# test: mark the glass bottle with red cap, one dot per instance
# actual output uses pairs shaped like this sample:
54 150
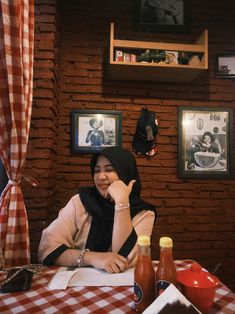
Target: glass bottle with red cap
144 276
166 271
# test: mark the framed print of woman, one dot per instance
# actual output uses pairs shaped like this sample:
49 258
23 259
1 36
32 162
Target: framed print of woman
205 142
95 136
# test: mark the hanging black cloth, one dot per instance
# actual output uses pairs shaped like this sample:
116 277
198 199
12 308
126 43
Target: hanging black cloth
102 209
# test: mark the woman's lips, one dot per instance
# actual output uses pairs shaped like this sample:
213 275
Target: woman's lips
103 186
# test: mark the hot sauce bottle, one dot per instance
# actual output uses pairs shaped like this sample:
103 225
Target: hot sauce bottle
144 276
166 271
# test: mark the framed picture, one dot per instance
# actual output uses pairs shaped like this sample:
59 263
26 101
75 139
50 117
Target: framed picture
92 130
171 16
225 66
205 142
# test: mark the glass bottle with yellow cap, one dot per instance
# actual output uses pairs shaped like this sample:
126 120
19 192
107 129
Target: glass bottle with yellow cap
166 271
144 276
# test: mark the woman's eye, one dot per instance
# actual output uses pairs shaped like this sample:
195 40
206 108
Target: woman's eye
106 169
110 169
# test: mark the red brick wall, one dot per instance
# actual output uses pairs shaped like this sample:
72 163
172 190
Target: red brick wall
42 148
71 51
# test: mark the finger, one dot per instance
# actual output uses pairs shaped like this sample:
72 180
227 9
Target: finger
109 269
122 259
131 183
121 266
108 196
122 262
115 267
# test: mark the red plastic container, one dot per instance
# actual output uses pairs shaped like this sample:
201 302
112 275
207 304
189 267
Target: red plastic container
198 286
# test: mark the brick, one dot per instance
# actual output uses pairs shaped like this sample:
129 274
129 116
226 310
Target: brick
70 73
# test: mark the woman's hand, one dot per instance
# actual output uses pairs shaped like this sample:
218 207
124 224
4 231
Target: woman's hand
119 191
110 261
206 145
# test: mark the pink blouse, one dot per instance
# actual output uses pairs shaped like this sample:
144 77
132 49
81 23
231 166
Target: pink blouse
72 226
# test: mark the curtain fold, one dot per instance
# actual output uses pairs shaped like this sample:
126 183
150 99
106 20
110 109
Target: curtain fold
16 88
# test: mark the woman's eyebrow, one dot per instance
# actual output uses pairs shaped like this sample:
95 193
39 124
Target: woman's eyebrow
105 165
108 165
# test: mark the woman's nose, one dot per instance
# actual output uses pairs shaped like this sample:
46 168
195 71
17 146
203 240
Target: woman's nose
102 175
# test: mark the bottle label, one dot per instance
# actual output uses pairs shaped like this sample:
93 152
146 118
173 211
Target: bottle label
138 293
161 285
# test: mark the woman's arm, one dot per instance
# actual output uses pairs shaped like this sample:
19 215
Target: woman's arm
89 134
59 235
57 242
110 261
218 148
122 225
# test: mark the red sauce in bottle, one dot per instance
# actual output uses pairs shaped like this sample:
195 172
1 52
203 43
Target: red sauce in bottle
166 271
144 276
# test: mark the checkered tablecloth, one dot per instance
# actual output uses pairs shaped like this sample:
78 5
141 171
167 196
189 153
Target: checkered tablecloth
83 300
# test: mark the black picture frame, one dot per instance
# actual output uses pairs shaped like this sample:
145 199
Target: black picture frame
225 66
158 16
85 139
196 159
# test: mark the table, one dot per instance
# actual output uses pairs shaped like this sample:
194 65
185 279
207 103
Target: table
83 300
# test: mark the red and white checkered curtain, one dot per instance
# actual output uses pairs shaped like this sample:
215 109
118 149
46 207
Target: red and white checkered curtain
16 85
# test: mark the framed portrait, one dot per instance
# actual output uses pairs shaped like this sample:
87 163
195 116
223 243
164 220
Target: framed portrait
171 16
225 66
205 142
93 130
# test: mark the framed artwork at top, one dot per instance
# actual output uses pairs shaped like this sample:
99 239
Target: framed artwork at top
153 16
205 142
225 67
93 130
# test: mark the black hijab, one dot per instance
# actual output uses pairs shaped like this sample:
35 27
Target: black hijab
102 209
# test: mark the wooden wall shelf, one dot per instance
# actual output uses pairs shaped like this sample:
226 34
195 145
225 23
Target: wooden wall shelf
126 70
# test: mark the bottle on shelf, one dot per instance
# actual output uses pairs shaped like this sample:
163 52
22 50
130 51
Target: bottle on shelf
144 276
166 271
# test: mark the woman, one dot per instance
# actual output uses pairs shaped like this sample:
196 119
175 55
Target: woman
207 144
95 136
210 144
99 226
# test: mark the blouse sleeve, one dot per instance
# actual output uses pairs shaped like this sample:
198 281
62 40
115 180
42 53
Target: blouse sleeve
143 225
59 235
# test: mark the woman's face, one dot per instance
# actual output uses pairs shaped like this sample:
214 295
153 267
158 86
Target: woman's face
95 125
104 175
207 139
